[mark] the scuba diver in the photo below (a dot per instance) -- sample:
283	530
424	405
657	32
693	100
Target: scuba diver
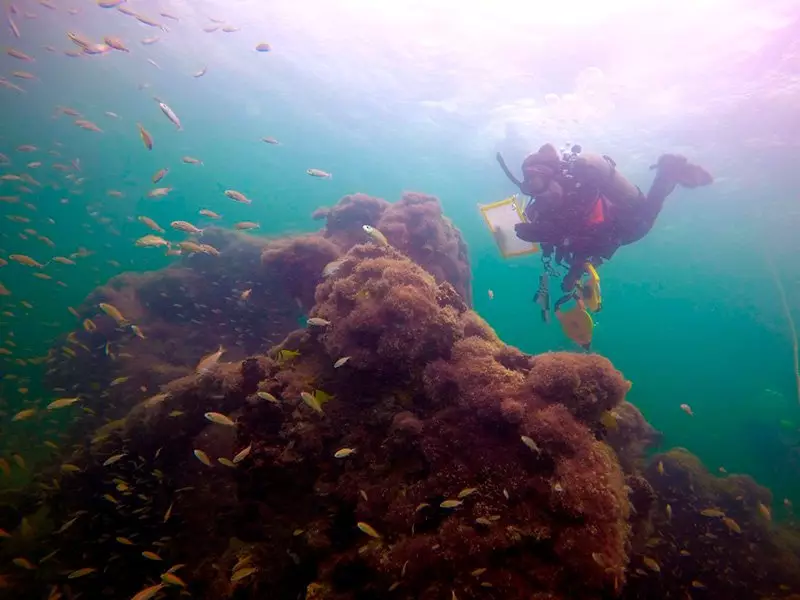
582	210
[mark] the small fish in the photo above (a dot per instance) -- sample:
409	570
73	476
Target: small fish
226	462
113	312
242	454
341	362
61	403
13	26
203	457
765	512
660	467
268	397
147	139
149	41
185	226
491	295
116	43
209	362
368	529
220	419
312	402
159	175
170	114
285	355
451	504
151	555
159	192
201	72
151	224
168	514
238	197
112	459
209	213
172	579
191	160
731	524
542	296
149	593
376	235
242	573
151	241
124	541
270	140
318	173
25	260
318	322
19	54
530	443
687	409
81	573
344	453
466	492
712	512
651	564
263	47
332	267
246	225
24	414
24	563
63	260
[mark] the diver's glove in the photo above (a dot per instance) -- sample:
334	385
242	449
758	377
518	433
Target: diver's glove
526	232
676	168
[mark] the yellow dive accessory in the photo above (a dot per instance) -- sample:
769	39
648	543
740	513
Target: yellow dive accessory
590	290
577	324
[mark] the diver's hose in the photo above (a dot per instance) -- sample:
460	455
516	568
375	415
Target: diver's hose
506	170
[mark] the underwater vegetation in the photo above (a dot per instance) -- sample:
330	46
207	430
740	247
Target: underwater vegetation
391	446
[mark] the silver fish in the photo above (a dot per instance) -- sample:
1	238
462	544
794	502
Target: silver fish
170	115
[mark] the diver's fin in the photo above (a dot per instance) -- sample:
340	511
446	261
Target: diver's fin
587	347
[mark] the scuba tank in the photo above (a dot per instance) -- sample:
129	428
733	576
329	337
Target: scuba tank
600	172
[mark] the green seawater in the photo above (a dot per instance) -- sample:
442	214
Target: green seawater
692	314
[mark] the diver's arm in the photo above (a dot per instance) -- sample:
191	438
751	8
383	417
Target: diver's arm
506	170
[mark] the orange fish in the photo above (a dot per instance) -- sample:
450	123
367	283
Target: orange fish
115	43
13	52
88	125
25	260
159	175
147	139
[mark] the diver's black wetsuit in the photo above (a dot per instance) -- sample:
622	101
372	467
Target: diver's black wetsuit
583	210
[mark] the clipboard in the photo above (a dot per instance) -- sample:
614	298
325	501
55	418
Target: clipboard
500	218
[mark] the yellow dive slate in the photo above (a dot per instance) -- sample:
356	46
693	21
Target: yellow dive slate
590	291
500	218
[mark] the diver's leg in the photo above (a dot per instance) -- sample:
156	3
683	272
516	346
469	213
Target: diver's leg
642	216
671	170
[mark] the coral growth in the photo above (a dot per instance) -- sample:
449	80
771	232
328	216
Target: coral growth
414	225
394	448
711	537
435	412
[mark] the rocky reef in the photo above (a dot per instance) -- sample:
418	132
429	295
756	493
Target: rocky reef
392	446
